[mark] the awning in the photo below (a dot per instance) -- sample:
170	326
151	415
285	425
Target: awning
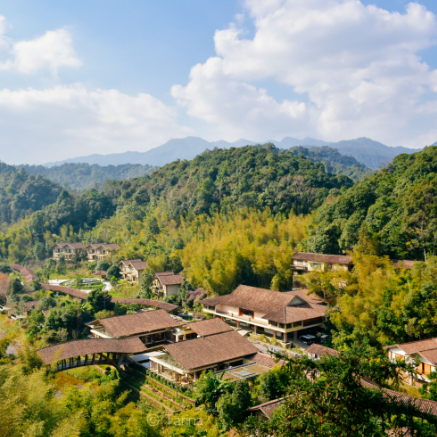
243	332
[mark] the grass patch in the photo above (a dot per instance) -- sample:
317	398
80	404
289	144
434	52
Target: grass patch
63	380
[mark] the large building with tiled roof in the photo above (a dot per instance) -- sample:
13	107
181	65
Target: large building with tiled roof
280	314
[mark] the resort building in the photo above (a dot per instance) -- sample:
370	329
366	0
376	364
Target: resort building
68	250
132	269
423	351
167	284
151	327
101	251
185	361
283	315
316	351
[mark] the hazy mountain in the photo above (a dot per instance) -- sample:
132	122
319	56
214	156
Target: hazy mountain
368	152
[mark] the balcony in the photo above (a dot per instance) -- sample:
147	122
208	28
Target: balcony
243	318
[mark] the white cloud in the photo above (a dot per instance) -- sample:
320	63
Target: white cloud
68	121
357	68
51	51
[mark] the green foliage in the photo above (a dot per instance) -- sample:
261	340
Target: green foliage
4	268
397	206
99	300
15	286
22	193
82	176
103	265
327	398
113	271
209	388
232	406
268	388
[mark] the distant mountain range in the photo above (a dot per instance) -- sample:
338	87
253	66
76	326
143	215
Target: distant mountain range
370	153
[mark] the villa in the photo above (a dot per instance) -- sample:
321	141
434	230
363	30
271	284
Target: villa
131	270
101	251
279	314
306	262
424	352
167	284
68	250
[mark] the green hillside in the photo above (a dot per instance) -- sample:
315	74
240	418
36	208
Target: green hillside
397	207
22	193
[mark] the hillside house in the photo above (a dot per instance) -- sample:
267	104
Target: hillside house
283	315
167	284
306	262
132	270
68	250
101	251
423	351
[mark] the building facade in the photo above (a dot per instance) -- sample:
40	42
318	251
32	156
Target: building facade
101	251
132	270
69	250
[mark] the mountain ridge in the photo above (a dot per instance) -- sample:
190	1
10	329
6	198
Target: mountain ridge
371	153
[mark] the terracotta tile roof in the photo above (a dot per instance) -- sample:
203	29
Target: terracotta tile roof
265	360
403	263
267	408
423	405
77	348
426	348
139	265
207	351
138	323
319	350
209	327
32	304
27	273
147	302
272	303
72	245
67	290
321	258
169	278
127	261
45	312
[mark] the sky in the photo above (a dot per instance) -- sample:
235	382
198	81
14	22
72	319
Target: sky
106	76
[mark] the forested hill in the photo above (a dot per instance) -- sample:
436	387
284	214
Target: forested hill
82	176
251	176
396	208
21	193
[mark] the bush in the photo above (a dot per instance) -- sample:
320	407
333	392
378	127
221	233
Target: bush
113	271
103	265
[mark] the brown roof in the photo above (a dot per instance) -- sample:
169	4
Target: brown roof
209	327
321	258
210	350
67	290
27	273
127	261
268	407
139	265
73	245
265	360
319	350
272	303
424	405
77	348
45	312
112	246
403	263
426	348
138	323
147	302
101	273
31	304
169	278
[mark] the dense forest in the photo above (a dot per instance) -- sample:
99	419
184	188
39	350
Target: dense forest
397	206
81	176
22	193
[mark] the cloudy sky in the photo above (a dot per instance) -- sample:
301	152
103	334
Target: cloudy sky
107	76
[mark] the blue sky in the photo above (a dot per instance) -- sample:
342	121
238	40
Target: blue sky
105	76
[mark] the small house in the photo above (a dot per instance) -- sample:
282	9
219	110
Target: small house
167	284
132	269
69	250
